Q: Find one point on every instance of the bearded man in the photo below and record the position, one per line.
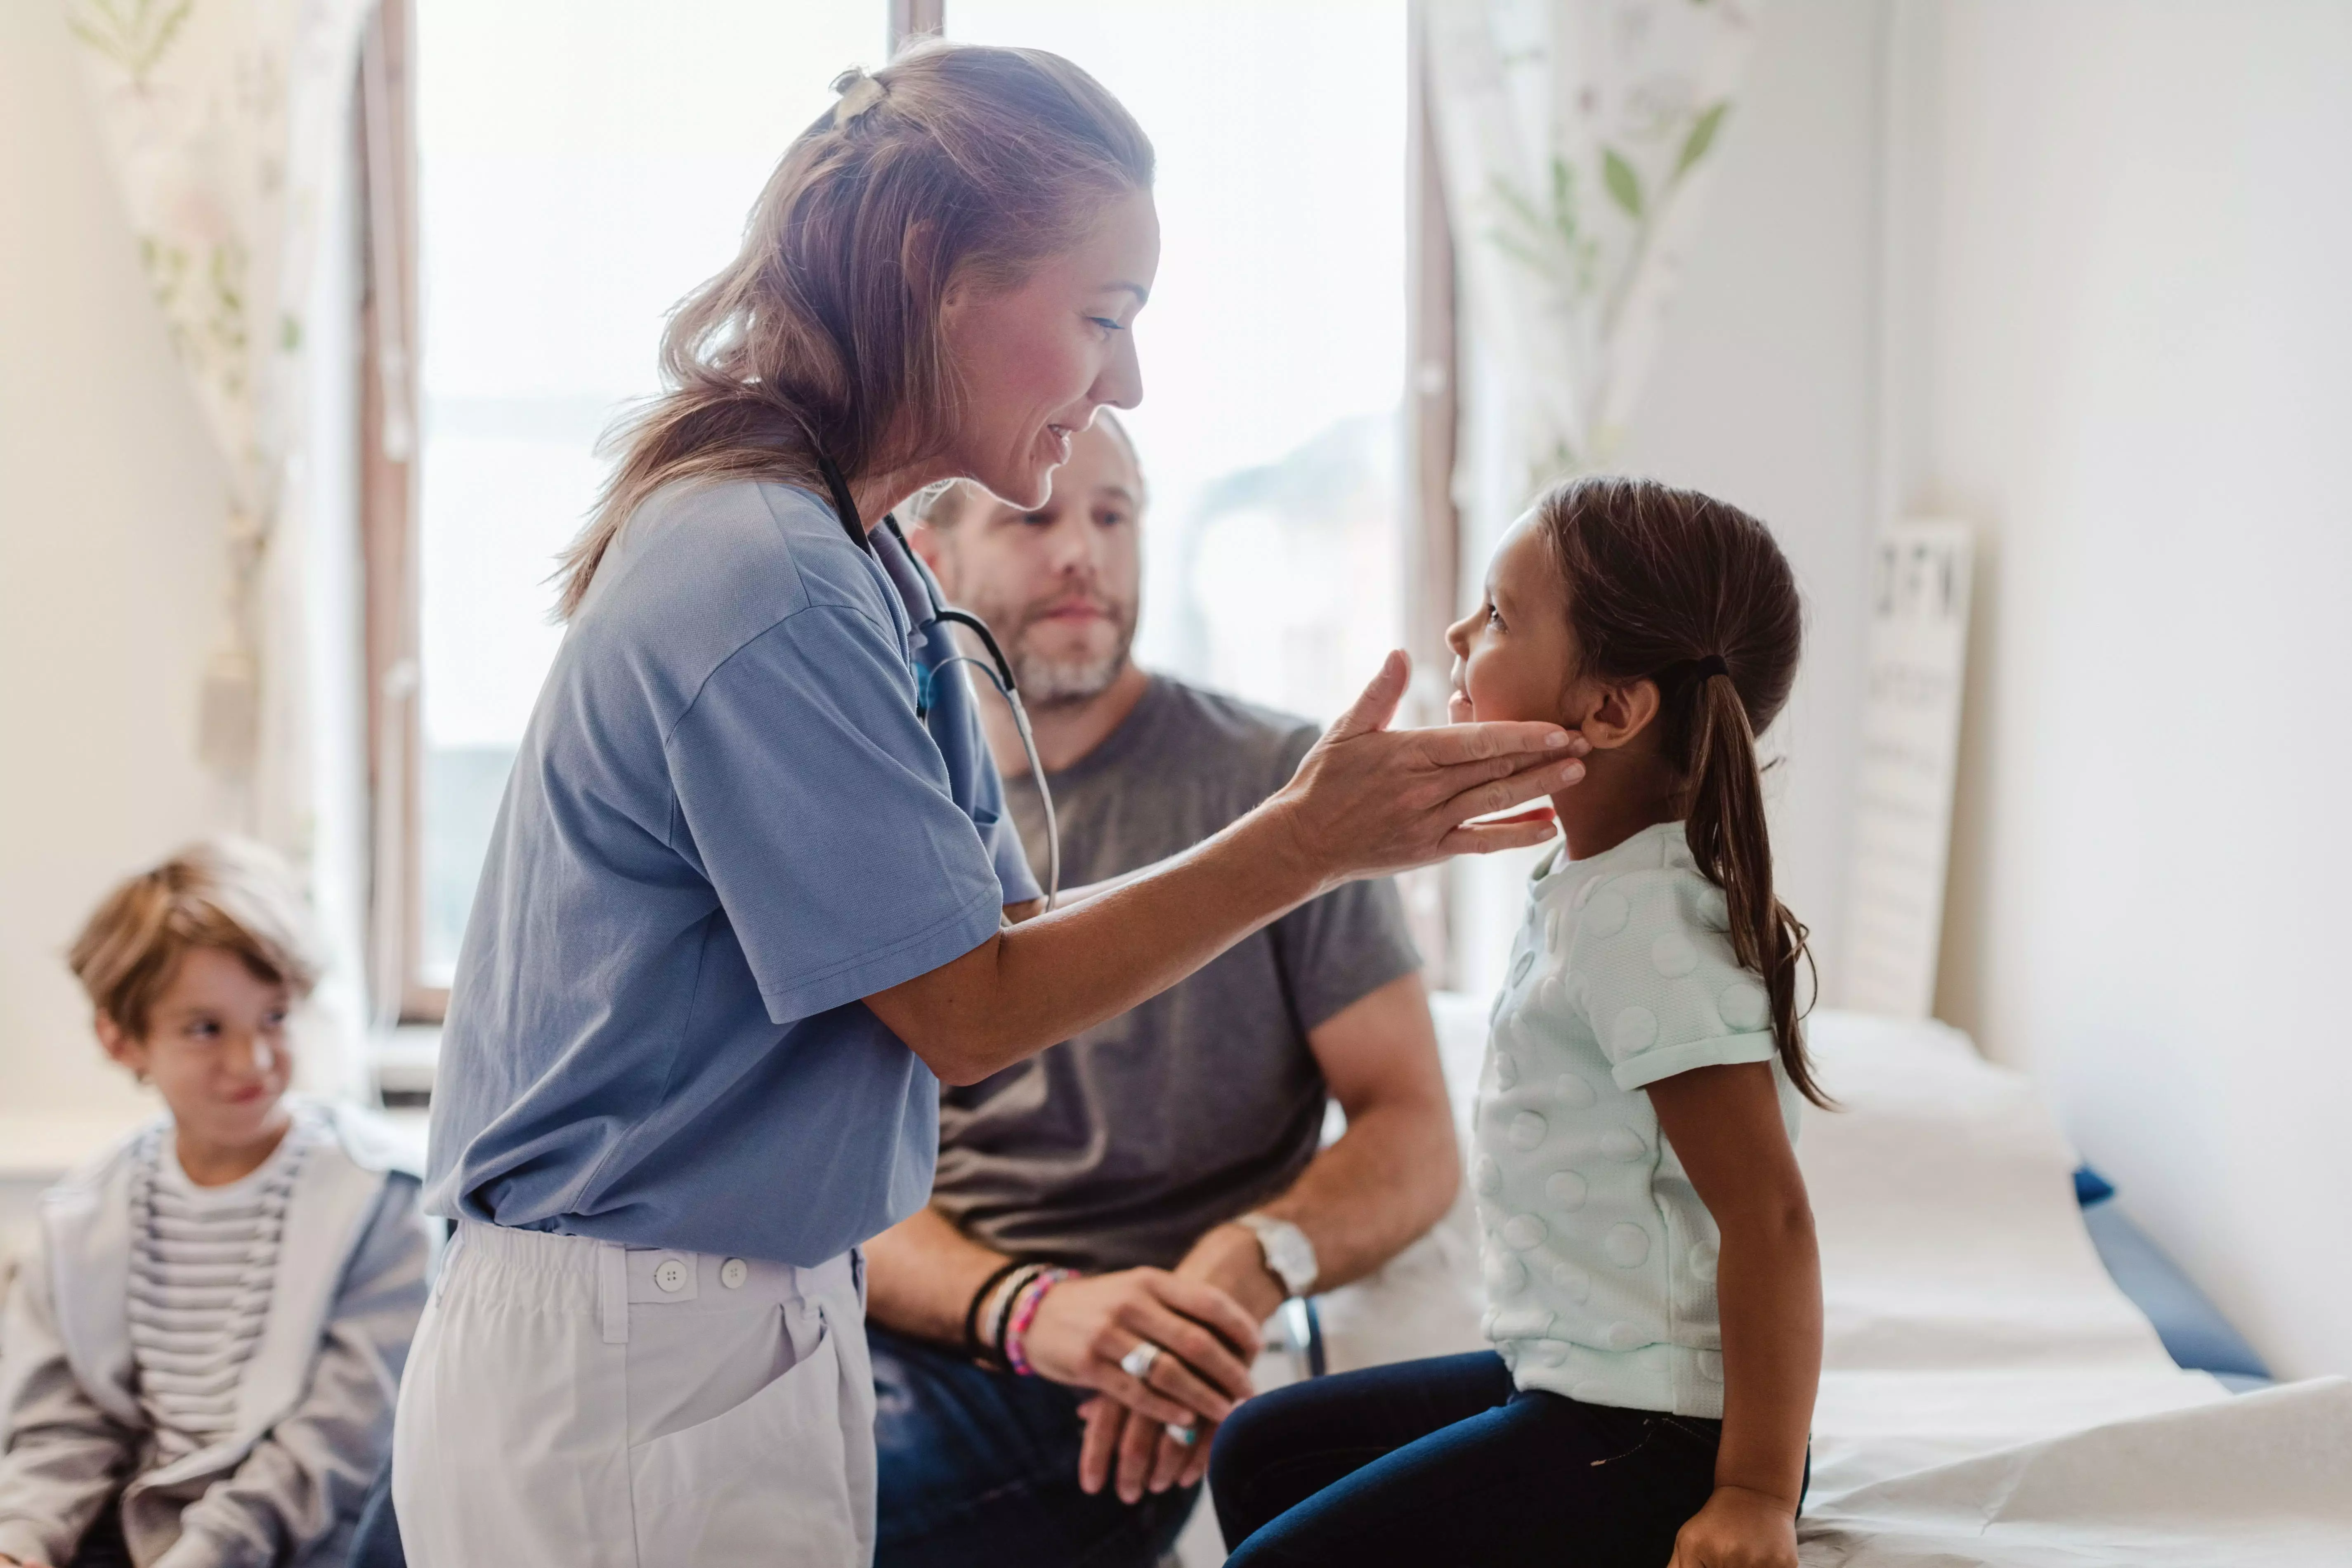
(1173, 1157)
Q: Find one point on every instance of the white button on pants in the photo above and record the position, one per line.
(733, 1272)
(670, 1275)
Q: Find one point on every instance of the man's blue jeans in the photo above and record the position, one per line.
(979, 1469)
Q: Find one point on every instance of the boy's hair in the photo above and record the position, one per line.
(224, 893)
(1673, 587)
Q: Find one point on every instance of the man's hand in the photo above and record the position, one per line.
(1739, 1528)
(1230, 1259)
(1149, 1457)
(1086, 1327)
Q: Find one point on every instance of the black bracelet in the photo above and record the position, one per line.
(972, 1345)
(1027, 1277)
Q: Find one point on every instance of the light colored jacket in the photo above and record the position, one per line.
(313, 1404)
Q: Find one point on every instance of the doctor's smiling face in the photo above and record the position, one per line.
(1035, 359)
(1060, 582)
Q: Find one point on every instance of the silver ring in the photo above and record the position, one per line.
(1138, 1362)
(1186, 1434)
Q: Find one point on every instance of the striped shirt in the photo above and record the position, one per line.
(202, 1263)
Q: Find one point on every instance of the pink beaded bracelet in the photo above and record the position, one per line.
(1025, 1312)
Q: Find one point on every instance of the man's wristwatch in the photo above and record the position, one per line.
(1289, 1256)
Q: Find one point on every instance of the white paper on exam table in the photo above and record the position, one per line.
(1989, 1395)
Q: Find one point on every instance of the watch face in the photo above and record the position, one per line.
(1289, 1254)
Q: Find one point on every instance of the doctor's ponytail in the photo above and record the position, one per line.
(1674, 587)
(821, 339)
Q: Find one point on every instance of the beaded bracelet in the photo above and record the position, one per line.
(1025, 1312)
(1008, 1298)
(974, 1345)
(999, 1311)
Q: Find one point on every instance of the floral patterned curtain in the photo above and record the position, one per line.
(226, 120)
(1576, 137)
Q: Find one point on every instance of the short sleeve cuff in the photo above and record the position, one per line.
(1367, 972)
(809, 995)
(1012, 861)
(1716, 1050)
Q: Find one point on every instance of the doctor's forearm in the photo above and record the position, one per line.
(1051, 977)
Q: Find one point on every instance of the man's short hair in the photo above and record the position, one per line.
(943, 505)
(223, 893)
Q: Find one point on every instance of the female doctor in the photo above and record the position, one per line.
(749, 890)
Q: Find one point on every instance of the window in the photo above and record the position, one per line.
(1273, 347)
(581, 164)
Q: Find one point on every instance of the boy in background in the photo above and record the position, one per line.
(198, 1362)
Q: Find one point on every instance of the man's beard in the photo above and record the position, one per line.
(1067, 682)
(1047, 681)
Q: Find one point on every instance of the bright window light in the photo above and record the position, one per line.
(1274, 346)
(584, 163)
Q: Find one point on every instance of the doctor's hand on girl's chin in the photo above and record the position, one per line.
(1738, 1528)
(1370, 800)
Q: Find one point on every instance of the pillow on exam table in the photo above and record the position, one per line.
(2193, 1330)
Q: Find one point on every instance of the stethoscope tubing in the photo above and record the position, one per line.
(1000, 676)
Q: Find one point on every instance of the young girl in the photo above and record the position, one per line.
(197, 1365)
(1654, 1291)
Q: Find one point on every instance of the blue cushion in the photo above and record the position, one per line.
(2090, 1187)
(2194, 1332)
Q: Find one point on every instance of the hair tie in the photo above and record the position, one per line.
(1711, 667)
(859, 92)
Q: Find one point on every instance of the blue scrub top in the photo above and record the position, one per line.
(726, 825)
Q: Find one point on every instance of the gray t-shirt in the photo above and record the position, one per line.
(1119, 1148)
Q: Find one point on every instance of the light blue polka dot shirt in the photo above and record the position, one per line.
(1600, 1257)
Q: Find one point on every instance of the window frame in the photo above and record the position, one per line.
(389, 412)
(388, 518)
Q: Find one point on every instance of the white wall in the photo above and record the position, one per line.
(1764, 394)
(111, 503)
(2128, 359)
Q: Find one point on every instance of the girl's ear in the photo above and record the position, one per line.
(121, 1043)
(1620, 711)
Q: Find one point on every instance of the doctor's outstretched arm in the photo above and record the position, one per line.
(1366, 801)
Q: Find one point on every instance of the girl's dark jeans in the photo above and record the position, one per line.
(1443, 1461)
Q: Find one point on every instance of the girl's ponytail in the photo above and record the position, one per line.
(1732, 844)
(1670, 585)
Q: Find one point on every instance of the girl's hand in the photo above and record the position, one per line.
(1739, 1528)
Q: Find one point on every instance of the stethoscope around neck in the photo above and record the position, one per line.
(1001, 675)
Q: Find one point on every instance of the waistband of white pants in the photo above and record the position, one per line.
(622, 1276)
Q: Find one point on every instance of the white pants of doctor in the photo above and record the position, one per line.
(578, 1404)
